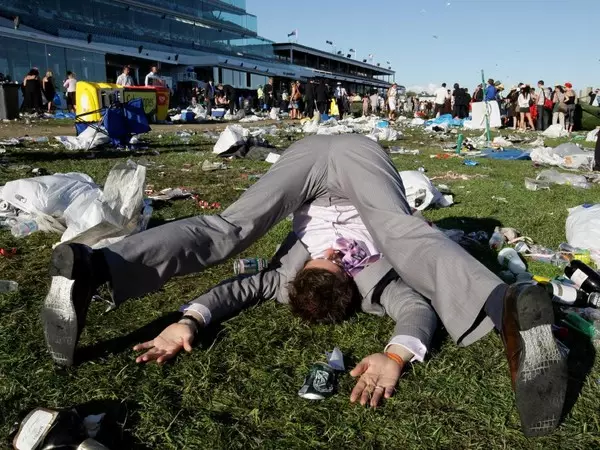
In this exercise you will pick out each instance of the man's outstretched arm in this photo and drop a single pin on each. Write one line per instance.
(222, 301)
(416, 322)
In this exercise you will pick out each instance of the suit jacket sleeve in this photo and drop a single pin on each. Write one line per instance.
(235, 294)
(413, 314)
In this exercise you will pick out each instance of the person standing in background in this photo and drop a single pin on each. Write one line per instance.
(70, 85)
(340, 97)
(322, 96)
(125, 79)
(374, 103)
(441, 95)
(570, 102)
(310, 98)
(559, 109)
(524, 102)
(294, 97)
(209, 96)
(542, 96)
(260, 95)
(32, 91)
(392, 98)
(152, 79)
(490, 91)
(269, 91)
(49, 89)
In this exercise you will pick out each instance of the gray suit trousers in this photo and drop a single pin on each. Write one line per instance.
(348, 169)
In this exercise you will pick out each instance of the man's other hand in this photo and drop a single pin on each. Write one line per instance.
(167, 344)
(379, 375)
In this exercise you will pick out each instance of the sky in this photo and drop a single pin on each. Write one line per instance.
(429, 42)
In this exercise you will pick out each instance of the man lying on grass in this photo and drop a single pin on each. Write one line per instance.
(353, 227)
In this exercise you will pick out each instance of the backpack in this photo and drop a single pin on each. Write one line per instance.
(547, 100)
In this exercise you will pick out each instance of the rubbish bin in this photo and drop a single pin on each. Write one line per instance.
(148, 96)
(9, 101)
(162, 102)
(92, 97)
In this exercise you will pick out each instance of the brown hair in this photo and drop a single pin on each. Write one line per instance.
(320, 296)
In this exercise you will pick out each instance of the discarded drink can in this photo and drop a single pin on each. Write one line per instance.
(320, 382)
(249, 266)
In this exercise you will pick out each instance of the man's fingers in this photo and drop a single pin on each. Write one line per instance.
(366, 395)
(360, 368)
(357, 391)
(150, 355)
(187, 344)
(389, 391)
(144, 346)
(166, 356)
(377, 394)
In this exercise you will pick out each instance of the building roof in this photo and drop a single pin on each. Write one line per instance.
(298, 48)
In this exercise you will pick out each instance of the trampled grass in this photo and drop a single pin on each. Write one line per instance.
(238, 388)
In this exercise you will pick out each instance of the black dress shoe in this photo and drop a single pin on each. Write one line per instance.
(537, 367)
(67, 302)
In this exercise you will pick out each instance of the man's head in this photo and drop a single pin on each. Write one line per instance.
(270, 80)
(540, 83)
(126, 70)
(443, 85)
(491, 82)
(154, 69)
(322, 292)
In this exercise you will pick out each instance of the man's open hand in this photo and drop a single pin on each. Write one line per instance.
(378, 378)
(167, 344)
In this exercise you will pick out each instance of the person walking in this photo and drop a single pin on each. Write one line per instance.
(269, 91)
(49, 89)
(310, 98)
(340, 98)
(525, 100)
(570, 102)
(209, 93)
(543, 99)
(559, 108)
(441, 95)
(321, 96)
(294, 101)
(392, 99)
(125, 78)
(70, 85)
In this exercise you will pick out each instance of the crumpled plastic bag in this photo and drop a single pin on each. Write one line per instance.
(310, 127)
(421, 193)
(583, 229)
(568, 155)
(555, 131)
(592, 136)
(274, 114)
(88, 139)
(417, 122)
(232, 136)
(570, 179)
(384, 134)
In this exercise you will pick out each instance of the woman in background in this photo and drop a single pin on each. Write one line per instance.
(559, 108)
(524, 102)
(49, 89)
(570, 102)
(70, 85)
(32, 91)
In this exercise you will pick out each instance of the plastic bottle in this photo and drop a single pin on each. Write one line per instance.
(459, 143)
(584, 277)
(25, 228)
(497, 241)
(594, 300)
(8, 286)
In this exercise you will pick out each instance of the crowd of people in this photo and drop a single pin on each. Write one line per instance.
(39, 93)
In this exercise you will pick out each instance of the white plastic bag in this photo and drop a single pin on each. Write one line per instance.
(88, 139)
(417, 122)
(274, 114)
(583, 228)
(568, 155)
(555, 131)
(420, 193)
(49, 195)
(233, 135)
(570, 179)
(592, 136)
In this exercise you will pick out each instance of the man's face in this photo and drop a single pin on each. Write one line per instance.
(331, 261)
(126, 71)
(154, 70)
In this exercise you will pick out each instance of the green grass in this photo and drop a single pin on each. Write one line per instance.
(238, 389)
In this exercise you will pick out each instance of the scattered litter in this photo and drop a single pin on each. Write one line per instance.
(500, 199)
(592, 136)
(583, 229)
(536, 185)
(252, 118)
(403, 151)
(8, 286)
(554, 177)
(208, 166)
(457, 176)
(170, 194)
(470, 162)
(568, 156)
(203, 204)
(232, 136)
(10, 142)
(511, 260)
(88, 139)
(320, 382)
(273, 158)
(512, 154)
(7, 253)
(500, 142)
(421, 193)
(555, 131)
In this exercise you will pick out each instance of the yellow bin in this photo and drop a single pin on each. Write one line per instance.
(94, 96)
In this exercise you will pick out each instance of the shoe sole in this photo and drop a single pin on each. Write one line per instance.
(60, 321)
(62, 262)
(542, 377)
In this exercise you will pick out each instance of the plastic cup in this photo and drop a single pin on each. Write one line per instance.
(510, 259)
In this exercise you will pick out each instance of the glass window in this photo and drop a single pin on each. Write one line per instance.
(227, 76)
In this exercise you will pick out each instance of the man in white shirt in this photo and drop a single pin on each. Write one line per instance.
(341, 95)
(543, 113)
(441, 95)
(153, 79)
(125, 79)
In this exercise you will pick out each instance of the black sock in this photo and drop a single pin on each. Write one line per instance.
(100, 268)
(494, 305)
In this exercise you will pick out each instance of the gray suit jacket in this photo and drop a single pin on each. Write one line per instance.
(382, 291)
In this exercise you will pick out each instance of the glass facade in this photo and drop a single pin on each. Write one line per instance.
(209, 25)
(17, 57)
